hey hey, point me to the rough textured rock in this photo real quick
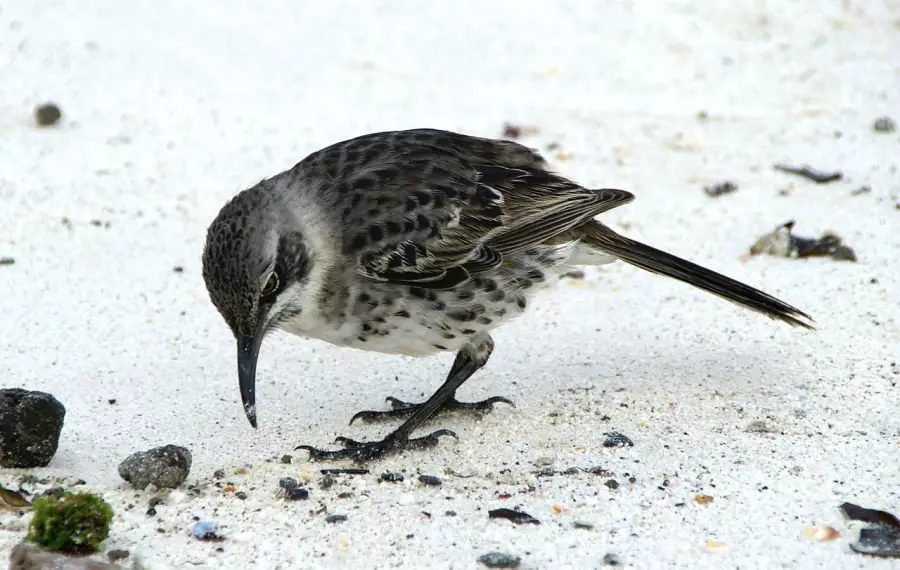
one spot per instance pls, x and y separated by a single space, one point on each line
28 557
166 466
30 424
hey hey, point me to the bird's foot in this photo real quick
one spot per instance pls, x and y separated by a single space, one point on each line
362 451
401 409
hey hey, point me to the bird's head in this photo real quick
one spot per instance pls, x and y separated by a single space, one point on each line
256 266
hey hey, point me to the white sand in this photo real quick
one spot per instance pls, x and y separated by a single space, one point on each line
170 108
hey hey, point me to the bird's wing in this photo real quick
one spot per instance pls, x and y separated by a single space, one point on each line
431 208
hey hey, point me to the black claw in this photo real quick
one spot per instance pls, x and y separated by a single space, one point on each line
401 409
362 451
398 404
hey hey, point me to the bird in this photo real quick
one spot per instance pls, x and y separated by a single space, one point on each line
417 242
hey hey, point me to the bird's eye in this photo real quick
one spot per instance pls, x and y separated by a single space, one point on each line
271 286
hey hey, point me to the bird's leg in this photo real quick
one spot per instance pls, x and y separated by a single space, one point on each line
468 361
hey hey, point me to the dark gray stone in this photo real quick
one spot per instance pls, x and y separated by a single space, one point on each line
167 466
500 560
30 424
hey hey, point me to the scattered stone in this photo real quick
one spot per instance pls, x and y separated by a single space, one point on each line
808 172
30 424
500 560
884 125
178 269
117 554
760 426
518 517
241 495
47 114
702 499
821 533
610 559
575 274
583 525
720 189
430 480
207 530
882 538
713 545
391 477
28 557
286 459
287 483
616 439
335 518
167 466
512 131
7 261
296 494
219 474
327 482
344 471
612 484
783 243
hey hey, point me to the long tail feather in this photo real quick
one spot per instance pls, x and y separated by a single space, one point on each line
651 259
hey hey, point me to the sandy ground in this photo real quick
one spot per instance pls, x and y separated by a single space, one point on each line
170 108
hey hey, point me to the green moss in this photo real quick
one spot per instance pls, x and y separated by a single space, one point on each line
75 523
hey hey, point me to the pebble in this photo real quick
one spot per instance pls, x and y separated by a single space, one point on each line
296 494
430 480
167 466
287 483
30 424
884 125
500 560
611 559
117 554
335 518
286 459
47 115
391 477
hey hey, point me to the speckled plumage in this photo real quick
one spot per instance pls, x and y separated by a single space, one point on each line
415 242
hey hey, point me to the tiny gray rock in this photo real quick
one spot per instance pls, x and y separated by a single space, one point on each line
30 424
884 125
500 560
167 466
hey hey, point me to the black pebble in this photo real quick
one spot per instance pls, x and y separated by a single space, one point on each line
241 495
884 125
335 518
611 559
518 517
47 115
392 477
286 459
117 554
287 483
500 560
616 439
611 483
430 480
30 424
296 494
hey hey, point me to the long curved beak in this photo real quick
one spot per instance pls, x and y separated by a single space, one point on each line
247 354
